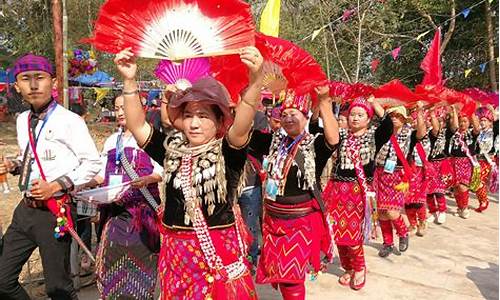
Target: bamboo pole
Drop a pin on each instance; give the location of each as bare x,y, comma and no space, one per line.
65,55
58,46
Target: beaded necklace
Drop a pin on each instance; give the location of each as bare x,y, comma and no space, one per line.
200,226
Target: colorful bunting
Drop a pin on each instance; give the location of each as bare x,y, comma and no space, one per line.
465,13
374,65
467,72
420,36
347,15
395,53
270,18
482,67
316,33
101,93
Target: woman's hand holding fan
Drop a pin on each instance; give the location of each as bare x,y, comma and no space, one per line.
251,57
126,63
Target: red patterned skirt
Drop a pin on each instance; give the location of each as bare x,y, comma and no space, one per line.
418,187
346,205
493,184
388,198
439,184
485,172
462,170
290,245
184,273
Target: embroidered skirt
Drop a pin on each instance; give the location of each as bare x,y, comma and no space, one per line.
291,245
384,184
184,273
439,184
485,172
126,267
493,184
346,206
462,170
418,187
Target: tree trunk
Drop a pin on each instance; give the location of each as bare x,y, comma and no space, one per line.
65,55
451,28
491,47
58,46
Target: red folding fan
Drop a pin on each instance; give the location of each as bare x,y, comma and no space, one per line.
482,97
298,67
395,93
349,91
231,72
274,81
174,29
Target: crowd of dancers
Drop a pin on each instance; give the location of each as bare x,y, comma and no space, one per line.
243,201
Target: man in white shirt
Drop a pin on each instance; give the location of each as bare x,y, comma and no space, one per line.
57,153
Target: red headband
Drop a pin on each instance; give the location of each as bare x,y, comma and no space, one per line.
364,104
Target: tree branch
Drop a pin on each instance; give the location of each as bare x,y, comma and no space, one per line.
338,56
451,28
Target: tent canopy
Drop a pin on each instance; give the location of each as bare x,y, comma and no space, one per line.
98,78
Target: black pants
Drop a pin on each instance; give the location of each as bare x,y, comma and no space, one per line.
32,228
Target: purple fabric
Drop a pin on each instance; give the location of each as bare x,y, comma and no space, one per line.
30,62
143,216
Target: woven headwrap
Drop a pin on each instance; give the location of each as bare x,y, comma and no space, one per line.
276,113
289,99
31,62
484,112
364,104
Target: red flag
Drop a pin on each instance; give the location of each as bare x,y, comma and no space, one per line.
431,65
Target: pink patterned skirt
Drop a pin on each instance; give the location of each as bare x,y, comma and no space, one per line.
346,205
441,182
418,187
290,245
184,273
388,198
462,170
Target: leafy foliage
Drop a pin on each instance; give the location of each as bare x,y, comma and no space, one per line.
381,24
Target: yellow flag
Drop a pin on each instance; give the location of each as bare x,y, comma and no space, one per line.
420,36
467,72
270,18
101,93
315,33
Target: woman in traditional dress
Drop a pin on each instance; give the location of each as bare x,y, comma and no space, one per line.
127,255
203,251
294,226
486,151
463,160
349,191
392,177
421,175
439,136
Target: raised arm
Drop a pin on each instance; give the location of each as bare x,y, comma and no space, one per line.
330,124
434,123
421,128
245,111
454,119
476,126
134,114
379,110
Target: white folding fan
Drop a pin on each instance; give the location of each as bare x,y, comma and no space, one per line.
174,29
